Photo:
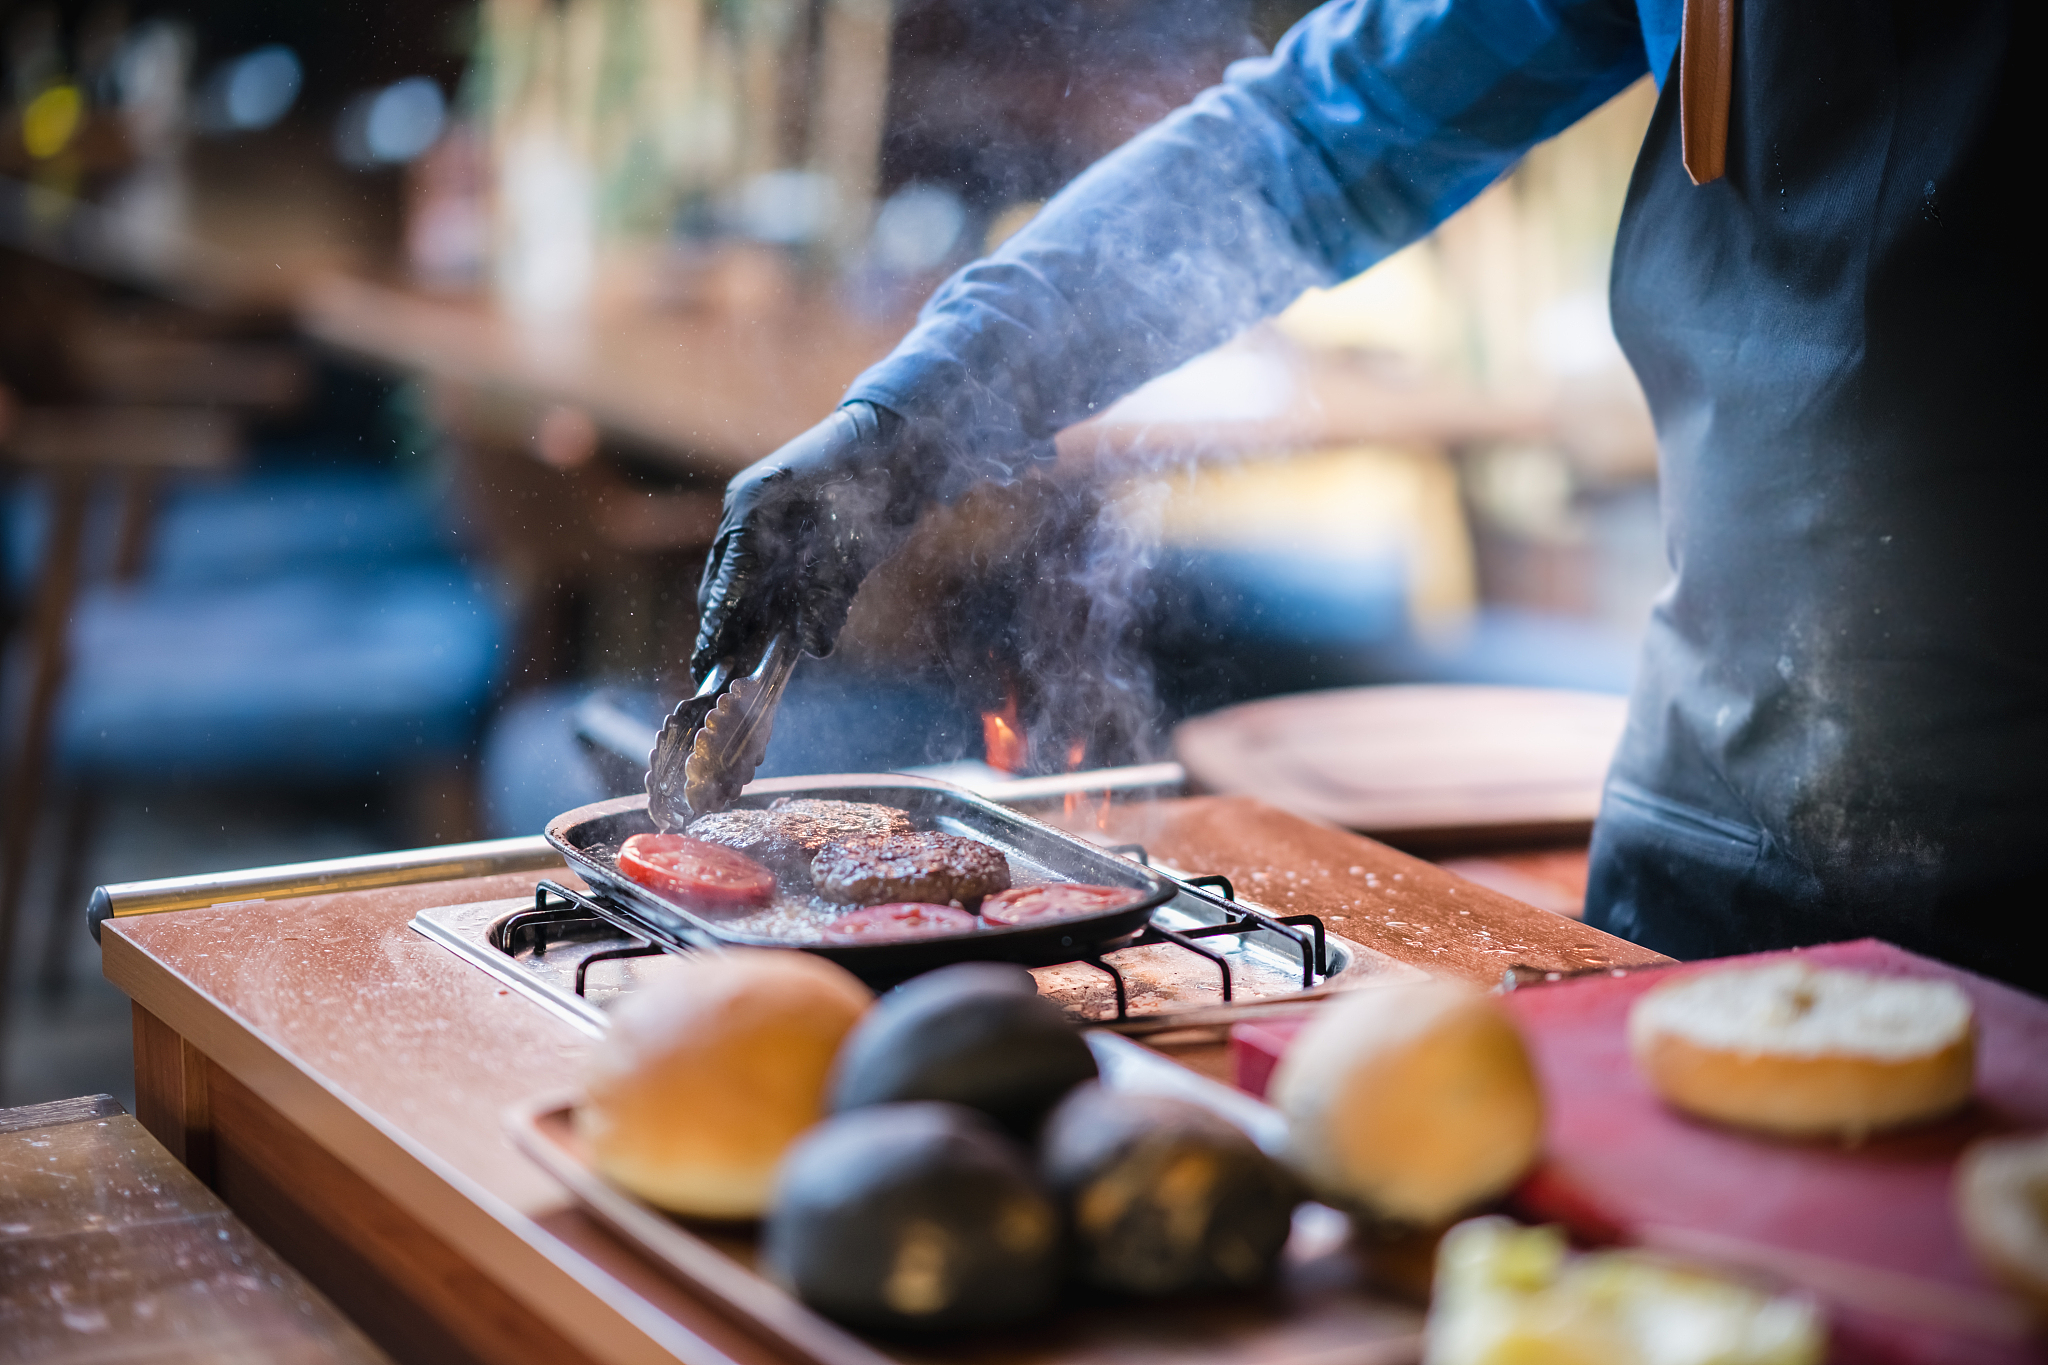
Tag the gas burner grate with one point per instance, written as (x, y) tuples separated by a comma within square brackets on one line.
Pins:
[(561, 916), (569, 917), (1241, 919)]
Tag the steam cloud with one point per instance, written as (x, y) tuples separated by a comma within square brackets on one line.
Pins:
[(1081, 639)]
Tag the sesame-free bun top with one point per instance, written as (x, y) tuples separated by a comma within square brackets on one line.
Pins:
[(1410, 1102), (2001, 1195), (706, 1077), (1801, 1051)]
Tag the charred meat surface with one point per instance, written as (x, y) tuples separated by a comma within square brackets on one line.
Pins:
[(789, 833), (910, 867)]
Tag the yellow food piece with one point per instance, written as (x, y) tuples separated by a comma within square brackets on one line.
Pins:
[(2002, 1202), (1510, 1295)]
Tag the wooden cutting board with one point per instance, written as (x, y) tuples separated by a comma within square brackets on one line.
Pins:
[(1870, 1230), (1431, 769)]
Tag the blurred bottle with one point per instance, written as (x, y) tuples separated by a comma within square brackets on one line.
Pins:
[(547, 230), (149, 208), (151, 76), (649, 149), (448, 213)]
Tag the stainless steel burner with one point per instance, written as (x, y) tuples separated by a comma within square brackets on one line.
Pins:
[(1172, 978)]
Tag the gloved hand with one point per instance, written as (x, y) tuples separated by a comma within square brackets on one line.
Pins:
[(803, 527)]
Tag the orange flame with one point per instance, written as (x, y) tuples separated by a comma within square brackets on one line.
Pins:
[(1084, 807), (1002, 737)]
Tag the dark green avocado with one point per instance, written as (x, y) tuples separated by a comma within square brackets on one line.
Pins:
[(1161, 1196), (917, 1216), (972, 1034)]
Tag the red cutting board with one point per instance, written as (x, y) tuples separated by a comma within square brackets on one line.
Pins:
[(1869, 1230)]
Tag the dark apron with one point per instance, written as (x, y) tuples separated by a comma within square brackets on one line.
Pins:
[(1841, 726)]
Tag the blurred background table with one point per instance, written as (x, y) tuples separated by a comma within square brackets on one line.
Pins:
[(1433, 769), (111, 1248), (709, 390)]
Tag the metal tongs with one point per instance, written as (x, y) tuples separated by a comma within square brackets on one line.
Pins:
[(711, 743)]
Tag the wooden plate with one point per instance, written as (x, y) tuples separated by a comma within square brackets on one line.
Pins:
[(1426, 768), (1318, 1312), (715, 1260)]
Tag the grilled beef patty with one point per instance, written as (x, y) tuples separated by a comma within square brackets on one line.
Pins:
[(909, 867), (789, 833)]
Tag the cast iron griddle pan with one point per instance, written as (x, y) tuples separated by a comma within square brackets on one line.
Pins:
[(589, 838)]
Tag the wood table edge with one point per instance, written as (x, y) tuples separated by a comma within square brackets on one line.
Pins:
[(501, 1241)]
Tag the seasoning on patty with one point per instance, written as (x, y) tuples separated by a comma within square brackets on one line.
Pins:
[(909, 867), (790, 831)]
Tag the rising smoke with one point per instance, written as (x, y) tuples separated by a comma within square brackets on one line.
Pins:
[(1059, 630), (1151, 263), (1081, 636)]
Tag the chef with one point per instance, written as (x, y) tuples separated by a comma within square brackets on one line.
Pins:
[(1840, 727)]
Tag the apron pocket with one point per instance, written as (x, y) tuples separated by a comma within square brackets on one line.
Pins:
[(1670, 876)]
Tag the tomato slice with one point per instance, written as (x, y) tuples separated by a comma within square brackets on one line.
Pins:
[(900, 919), (708, 875), (1057, 900)]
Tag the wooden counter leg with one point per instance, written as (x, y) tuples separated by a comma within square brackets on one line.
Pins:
[(171, 1096), (408, 1290), (390, 1274)]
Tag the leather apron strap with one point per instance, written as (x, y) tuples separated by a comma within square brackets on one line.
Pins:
[(1706, 72)]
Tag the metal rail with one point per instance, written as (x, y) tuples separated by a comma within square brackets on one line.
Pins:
[(406, 867), (449, 862)]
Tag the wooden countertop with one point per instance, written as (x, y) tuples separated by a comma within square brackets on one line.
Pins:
[(342, 1079), (1394, 904)]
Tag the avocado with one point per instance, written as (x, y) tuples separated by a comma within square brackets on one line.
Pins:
[(1161, 1196), (971, 1034), (918, 1216)]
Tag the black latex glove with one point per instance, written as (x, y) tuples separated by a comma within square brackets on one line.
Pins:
[(803, 527)]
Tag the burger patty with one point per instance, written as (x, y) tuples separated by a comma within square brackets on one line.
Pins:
[(789, 833), (934, 868)]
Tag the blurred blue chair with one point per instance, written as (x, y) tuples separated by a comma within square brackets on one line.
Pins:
[(299, 627), (322, 675), (227, 533)]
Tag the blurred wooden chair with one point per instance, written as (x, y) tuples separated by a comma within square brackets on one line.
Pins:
[(82, 452), (287, 626), (149, 356), (116, 394)]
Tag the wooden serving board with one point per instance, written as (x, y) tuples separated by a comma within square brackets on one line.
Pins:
[(1870, 1230), (1319, 1311), (1431, 769)]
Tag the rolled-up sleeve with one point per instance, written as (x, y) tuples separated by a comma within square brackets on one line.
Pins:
[(1372, 122)]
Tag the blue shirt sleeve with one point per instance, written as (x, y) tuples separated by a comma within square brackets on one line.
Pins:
[(1371, 123)]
